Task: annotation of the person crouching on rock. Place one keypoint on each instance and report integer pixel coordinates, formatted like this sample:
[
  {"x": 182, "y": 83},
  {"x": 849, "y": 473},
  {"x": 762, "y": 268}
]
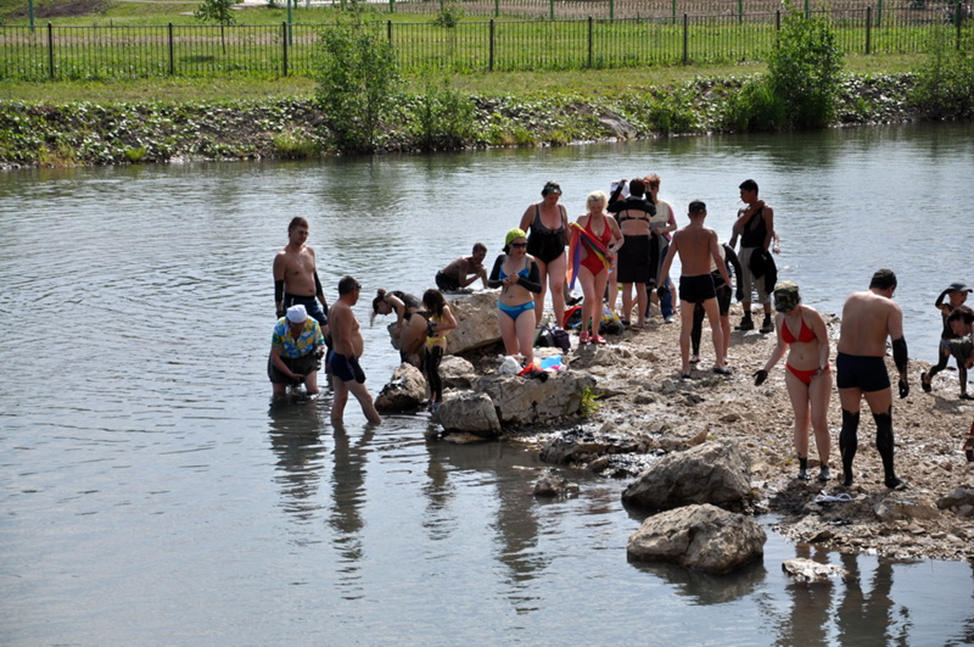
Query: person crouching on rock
[
  {"x": 409, "y": 331},
  {"x": 297, "y": 344},
  {"x": 516, "y": 273},
  {"x": 440, "y": 322},
  {"x": 808, "y": 376}
]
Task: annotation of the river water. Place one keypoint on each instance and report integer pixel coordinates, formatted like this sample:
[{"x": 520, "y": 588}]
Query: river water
[{"x": 151, "y": 493}]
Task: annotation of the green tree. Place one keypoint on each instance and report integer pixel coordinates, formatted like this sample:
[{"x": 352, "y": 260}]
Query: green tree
[
  {"x": 219, "y": 12},
  {"x": 944, "y": 86},
  {"x": 358, "y": 80}
]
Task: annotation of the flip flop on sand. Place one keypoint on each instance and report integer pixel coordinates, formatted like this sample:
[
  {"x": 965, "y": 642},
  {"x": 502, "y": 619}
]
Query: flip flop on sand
[{"x": 841, "y": 497}]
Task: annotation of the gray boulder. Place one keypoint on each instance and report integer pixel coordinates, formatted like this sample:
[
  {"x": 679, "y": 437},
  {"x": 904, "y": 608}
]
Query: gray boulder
[
  {"x": 469, "y": 412},
  {"x": 552, "y": 485},
  {"x": 805, "y": 570},
  {"x": 703, "y": 537},
  {"x": 456, "y": 372},
  {"x": 476, "y": 322},
  {"x": 522, "y": 401},
  {"x": 404, "y": 392},
  {"x": 715, "y": 472}
]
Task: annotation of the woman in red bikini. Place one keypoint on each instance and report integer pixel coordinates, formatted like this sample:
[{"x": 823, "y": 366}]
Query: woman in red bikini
[
  {"x": 808, "y": 375},
  {"x": 593, "y": 272}
]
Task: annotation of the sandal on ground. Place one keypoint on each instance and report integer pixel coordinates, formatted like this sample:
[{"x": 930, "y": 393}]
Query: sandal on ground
[
  {"x": 964, "y": 396},
  {"x": 695, "y": 359},
  {"x": 583, "y": 338},
  {"x": 925, "y": 382},
  {"x": 723, "y": 371},
  {"x": 685, "y": 376},
  {"x": 598, "y": 339}
]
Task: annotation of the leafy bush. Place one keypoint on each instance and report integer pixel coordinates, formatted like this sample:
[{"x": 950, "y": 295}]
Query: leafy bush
[
  {"x": 804, "y": 71},
  {"x": 754, "y": 108},
  {"x": 449, "y": 16},
  {"x": 944, "y": 85},
  {"x": 358, "y": 79},
  {"x": 445, "y": 117}
]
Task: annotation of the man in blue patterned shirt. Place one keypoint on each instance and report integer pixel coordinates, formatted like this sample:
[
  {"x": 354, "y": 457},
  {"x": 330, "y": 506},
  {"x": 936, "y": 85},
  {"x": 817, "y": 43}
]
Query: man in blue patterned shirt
[{"x": 296, "y": 346}]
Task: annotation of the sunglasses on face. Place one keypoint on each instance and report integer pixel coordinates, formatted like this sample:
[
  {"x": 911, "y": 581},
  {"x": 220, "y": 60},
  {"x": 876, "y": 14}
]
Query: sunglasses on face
[{"x": 519, "y": 244}]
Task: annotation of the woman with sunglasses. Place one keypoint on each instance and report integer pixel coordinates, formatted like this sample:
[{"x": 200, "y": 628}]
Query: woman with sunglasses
[{"x": 516, "y": 273}]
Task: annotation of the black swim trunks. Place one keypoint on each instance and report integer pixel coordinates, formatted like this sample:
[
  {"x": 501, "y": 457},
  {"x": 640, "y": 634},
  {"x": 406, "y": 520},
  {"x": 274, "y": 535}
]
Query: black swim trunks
[
  {"x": 633, "y": 260},
  {"x": 340, "y": 367},
  {"x": 697, "y": 289},
  {"x": 447, "y": 283},
  {"x": 299, "y": 365},
  {"x": 860, "y": 371}
]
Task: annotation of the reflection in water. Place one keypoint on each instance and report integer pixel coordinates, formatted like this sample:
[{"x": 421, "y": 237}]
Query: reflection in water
[
  {"x": 348, "y": 495},
  {"x": 295, "y": 439},
  {"x": 810, "y": 603},
  {"x": 704, "y": 588},
  {"x": 865, "y": 617},
  {"x": 517, "y": 527}
]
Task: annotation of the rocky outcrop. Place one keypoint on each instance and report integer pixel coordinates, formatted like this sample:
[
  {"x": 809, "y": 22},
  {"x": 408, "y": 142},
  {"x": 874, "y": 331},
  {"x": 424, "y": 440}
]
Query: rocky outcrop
[
  {"x": 521, "y": 401},
  {"x": 703, "y": 537},
  {"x": 471, "y": 413},
  {"x": 805, "y": 570},
  {"x": 457, "y": 373},
  {"x": 476, "y": 322},
  {"x": 553, "y": 486},
  {"x": 715, "y": 472},
  {"x": 406, "y": 390}
]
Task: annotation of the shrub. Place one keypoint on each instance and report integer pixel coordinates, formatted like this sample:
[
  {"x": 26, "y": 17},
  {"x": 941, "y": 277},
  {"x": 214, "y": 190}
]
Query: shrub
[
  {"x": 445, "y": 117},
  {"x": 754, "y": 108},
  {"x": 449, "y": 16},
  {"x": 944, "y": 85},
  {"x": 358, "y": 79}
]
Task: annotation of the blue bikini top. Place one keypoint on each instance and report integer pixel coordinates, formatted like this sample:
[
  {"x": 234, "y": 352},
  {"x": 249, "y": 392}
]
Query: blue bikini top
[{"x": 525, "y": 273}]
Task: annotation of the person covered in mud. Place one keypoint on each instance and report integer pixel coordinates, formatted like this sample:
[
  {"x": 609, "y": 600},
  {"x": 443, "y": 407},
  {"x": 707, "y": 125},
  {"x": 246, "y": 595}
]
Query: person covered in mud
[
  {"x": 409, "y": 330},
  {"x": 808, "y": 375},
  {"x": 956, "y": 296},
  {"x": 297, "y": 345},
  {"x": 463, "y": 270},
  {"x": 868, "y": 319}
]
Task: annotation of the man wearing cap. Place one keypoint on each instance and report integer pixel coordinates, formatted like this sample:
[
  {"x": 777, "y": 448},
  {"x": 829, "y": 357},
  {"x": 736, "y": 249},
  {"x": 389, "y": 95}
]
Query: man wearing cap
[
  {"x": 956, "y": 295},
  {"x": 296, "y": 277},
  {"x": 699, "y": 251},
  {"x": 347, "y": 346},
  {"x": 868, "y": 318},
  {"x": 296, "y": 345},
  {"x": 755, "y": 223}
]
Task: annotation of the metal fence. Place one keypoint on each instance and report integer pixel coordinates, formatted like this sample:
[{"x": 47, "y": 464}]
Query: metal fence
[{"x": 66, "y": 53}]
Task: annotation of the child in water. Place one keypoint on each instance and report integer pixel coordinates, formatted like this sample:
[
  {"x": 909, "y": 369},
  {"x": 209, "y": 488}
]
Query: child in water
[{"x": 956, "y": 295}]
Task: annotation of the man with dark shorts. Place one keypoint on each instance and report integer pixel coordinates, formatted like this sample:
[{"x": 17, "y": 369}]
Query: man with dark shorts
[
  {"x": 463, "y": 271},
  {"x": 868, "y": 318},
  {"x": 724, "y": 295},
  {"x": 755, "y": 223},
  {"x": 296, "y": 277},
  {"x": 347, "y": 375},
  {"x": 699, "y": 251},
  {"x": 296, "y": 346}
]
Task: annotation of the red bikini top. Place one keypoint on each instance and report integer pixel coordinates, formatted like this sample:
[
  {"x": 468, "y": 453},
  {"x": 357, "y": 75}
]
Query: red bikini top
[{"x": 805, "y": 334}]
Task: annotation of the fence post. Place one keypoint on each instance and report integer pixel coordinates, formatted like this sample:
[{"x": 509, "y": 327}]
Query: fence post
[
  {"x": 389, "y": 31},
  {"x": 490, "y": 59},
  {"x": 590, "y": 42},
  {"x": 612, "y": 9},
  {"x": 957, "y": 21},
  {"x": 284, "y": 44},
  {"x": 777, "y": 20},
  {"x": 807, "y": 10},
  {"x": 879, "y": 13},
  {"x": 686, "y": 40},
  {"x": 172, "y": 52},
  {"x": 50, "y": 50},
  {"x": 740, "y": 12},
  {"x": 869, "y": 27},
  {"x": 392, "y": 6},
  {"x": 673, "y": 10},
  {"x": 497, "y": 8},
  {"x": 551, "y": 9}
]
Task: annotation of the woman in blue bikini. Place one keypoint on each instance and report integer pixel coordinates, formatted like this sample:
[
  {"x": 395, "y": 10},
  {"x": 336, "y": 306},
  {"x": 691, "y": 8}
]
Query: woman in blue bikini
[{"x": 516, "y": 273}]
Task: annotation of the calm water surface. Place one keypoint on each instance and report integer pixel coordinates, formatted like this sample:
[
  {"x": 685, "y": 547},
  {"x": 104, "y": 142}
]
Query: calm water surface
[{"x": 152, "y": 495}]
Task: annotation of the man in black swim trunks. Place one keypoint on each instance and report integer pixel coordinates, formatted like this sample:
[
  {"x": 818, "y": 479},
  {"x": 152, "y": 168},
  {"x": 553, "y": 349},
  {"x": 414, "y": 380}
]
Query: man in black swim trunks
[
  {"x": 868, "y": 318},
  {"x": 463, "y": 271},
  {"x": 699, "y": 251}
]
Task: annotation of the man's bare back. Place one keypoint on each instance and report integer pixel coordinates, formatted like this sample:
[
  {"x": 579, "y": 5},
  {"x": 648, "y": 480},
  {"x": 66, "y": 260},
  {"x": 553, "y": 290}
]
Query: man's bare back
[{"x": 867, "y": 320}]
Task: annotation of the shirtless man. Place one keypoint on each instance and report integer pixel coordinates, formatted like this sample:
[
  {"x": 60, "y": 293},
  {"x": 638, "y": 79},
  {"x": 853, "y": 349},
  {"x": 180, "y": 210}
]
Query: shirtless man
[
  {"x": 699, "y": 251},
  {"x": 347, "y": 346},
  {"x": 868, "y": 318},
  {"x": 463, "y": 271},
  {"x": 755, "y": 223},
  {"x": 296, "y": 278}
]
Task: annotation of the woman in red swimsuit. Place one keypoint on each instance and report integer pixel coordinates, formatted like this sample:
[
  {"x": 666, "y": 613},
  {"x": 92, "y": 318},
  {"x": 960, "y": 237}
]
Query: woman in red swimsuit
[
  {"x": 808, "y": 376},
  {"x": 593, "y": 273}
]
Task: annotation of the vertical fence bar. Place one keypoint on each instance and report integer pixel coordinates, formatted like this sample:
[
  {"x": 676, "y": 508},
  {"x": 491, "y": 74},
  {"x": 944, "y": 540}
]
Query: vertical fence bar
[
  {"x": 777, "y": 20},
  {"x": 686, "y": 40},
  {"x": 392, "y": 6},
  {"x": 808, "y": 11},
  {"x": 740, "y": 12},
  {"x": 50, "y": 50},
  {"x": 490, "y": 55},
  {"x": 551, "y": 9},
  {"x": 869, "y": 27},
  {"x": 958, "y": 17},
  {"x": 612, "y": 9},
  {"x": 879, "y": 13},
  {"x": 497, "y": 8},
  {"x": 590, "y": 42},
  {"x": 172, "y": 53},
  {"x": 284, "y": 45}
]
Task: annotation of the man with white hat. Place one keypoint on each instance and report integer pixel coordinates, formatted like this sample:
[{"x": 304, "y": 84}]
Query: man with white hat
[{"x": 296, "y": 345}]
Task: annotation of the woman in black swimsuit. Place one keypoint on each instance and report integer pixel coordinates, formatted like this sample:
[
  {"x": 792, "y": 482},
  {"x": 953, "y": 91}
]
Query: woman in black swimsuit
[{"x": 546, "y": 223}]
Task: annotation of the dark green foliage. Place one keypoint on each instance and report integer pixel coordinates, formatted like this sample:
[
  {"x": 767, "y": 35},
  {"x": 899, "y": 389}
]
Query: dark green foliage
[
  {"x": 444, "y": 118},
  {"x": 944, "y": 86},
  {"x": 219, "y": 12},
  {"x": 449, "y": 16},
  {"x": 754, "y": 108},
  {"x": 358, "y": 78}
]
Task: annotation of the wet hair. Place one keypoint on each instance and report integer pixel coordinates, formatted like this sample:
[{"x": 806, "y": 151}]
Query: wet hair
[
  {"x": 347, "y": 285},
  {"x": 550, "y": 187},
  {"x": 408, "y": 300},
  {"x": 380, "y": 298},
  {"x": 434, "y": 302},
  {"x": 883, "y": 280},
  {"x": 697, "y": 206},
  {"x": 597, "y": 196},
  {"x": 749, "y": 185},
  {"x": 637, "y": 187},
  {"x": 961, "y": 313},
  {"x": 652, "y": 181},
  {"x": 297, "y": 221},
  {"x": 479, "y": 247}
]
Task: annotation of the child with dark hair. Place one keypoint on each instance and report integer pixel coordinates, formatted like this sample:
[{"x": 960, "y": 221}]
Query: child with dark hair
[
  {"x": 440, "y": 321},
  {"x": 956, "y": 295}
]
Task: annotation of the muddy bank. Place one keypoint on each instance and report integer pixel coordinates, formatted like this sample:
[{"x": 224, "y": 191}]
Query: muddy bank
[
  {"x": 645, "y": 401},
  {"x": 296, "y": 128}
]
